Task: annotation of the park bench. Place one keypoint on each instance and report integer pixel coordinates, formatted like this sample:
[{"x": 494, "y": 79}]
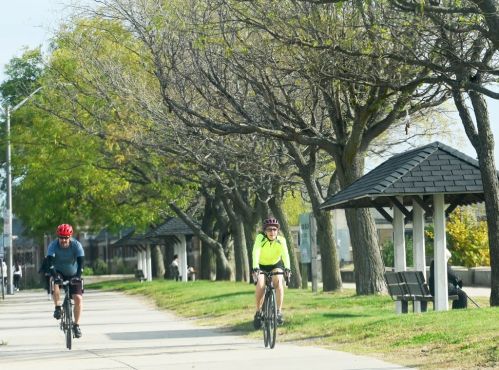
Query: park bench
[
  {"x": 406, "y": 286},
  {"x": 397, "y": 288}
]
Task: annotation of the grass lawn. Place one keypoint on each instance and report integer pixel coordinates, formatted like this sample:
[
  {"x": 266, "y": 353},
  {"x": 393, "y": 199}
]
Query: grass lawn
[{"x": 458, "y": 339}]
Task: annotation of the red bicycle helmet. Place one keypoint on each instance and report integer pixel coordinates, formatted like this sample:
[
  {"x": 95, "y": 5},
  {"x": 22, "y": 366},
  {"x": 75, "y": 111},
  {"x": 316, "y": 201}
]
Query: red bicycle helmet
[
  {"x": 270, "y": 222},
  {"x": 64, "y": 230}
]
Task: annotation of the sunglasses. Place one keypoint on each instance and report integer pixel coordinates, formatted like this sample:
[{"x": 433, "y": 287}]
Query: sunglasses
[
  {"x": 64, "y": 237},
  {"x": 271, "y": 229}
]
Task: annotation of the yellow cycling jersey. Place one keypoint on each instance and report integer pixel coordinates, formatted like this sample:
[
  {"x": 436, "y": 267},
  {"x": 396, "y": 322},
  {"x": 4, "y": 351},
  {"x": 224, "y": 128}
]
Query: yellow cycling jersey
[{"x": 267, "y": 252}]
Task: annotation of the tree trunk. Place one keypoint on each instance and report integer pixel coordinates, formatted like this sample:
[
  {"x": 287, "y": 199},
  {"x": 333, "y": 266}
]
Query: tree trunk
[
  {"x": 483, "y": 142},
  {"x": 489, "y": 180},
  {"x": 331, "y": 276},
  {"x": 276, "y": 207},
  {"x": 224, "y": 270},
  {"x": 208, "y": 263},
  {"x": 158, "y": 261},
  {"x": 242, "y": 257},
  {"x": 240, "y": 251},
  {"x": 251, "y": 225},
  {"x": 368, "y": 265},
  {"x": 225, "y": 259},
  {"x": 208, "y": 259}
]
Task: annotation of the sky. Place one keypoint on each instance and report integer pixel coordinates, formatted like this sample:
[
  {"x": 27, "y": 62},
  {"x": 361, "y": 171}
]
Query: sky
[
  {"x": 27, "y": 23},
  {"x": 30, "y": 23}
]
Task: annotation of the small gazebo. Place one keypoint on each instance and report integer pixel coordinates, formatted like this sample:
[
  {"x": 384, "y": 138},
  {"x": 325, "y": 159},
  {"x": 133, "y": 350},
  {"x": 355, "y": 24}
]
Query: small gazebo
[
  {"x": 142, "y": 248},
  {"x": 175, "y": 231},
  {"x": 429, "y": 181}
]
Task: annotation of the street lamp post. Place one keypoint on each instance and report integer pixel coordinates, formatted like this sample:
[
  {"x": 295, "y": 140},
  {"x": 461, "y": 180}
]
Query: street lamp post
[{"x": 8, "y": 233}]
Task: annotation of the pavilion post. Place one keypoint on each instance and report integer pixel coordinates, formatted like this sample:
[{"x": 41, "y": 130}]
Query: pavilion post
[
  {"x": 148, "y": 262},
  {"x": 418, "y": 244},
  {"x": 399, "y": 250},
  {"x": 440, "y": 264}
]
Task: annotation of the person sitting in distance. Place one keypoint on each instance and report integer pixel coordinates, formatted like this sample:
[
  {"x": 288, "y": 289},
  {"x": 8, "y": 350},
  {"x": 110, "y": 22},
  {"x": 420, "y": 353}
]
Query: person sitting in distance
[{"x": 454, "y": 283}]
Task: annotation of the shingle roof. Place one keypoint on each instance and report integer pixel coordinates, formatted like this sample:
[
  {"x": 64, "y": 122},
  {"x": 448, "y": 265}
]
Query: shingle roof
[
  {"x": 165, "y": 233},
  {"x": 431, "y": 169},
  {"x": 172, "y": 226},
  {"x": 129, "y": 239},
  {"x": 105, "y": 234}
]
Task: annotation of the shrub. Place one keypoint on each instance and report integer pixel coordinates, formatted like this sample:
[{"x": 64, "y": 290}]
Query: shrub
[
  {"x": 388, "y": 253},
  {"x": 121, "y": 267},
  {"x": 467, "y": 239},
  {"x": 100, "y": 267}
]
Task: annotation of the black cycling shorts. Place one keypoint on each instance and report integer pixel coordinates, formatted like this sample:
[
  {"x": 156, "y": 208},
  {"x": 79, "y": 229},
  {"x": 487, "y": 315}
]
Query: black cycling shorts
[
  {"x": 270, "y": 268},
  {"x": 75, "y": 287}
]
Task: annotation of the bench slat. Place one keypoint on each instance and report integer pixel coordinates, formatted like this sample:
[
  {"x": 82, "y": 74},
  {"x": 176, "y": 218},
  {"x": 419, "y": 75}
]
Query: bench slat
[{"x": 396, "y": 286}]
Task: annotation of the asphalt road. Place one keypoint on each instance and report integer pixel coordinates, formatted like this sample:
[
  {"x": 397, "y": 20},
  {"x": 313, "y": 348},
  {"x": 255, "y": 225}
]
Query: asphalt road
[{"x": 126, "y": 332}]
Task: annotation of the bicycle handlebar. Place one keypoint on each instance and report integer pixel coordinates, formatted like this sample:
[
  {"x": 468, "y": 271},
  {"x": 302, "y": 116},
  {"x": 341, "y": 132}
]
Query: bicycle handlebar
[
  {"x": 272, "y": 273},
  {"x": 67, "y": 281}
]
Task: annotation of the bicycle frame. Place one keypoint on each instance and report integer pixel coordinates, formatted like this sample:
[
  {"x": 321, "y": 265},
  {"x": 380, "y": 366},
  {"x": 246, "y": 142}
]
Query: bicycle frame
[
  {"x": 269, "y": 310},
  {"x": 66, "y": 324}
]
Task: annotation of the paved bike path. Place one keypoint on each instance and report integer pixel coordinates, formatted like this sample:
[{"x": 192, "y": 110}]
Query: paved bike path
[{"x": 125, "y": 332}]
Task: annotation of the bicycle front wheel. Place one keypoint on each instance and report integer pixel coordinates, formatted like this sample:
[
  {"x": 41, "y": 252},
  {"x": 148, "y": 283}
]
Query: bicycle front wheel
[
  {"x": 68, "y": 322},
  {"x": 264, "y": 320},
  {"x": 270, "y": 322},
  {"x": 271, "y": 319}
]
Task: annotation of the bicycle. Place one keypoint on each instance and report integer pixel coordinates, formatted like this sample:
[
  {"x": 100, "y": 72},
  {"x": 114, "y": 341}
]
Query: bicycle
[
  {"x": 66, "y": 323},
  {"x": 269, "y": 310}
]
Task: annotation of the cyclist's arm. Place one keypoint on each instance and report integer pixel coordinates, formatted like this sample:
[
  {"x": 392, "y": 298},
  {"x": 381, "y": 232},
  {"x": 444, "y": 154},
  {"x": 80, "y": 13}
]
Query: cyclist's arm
[
  {"x": 285, "y": 254},
  {"x": 50, "y": 264},
  {"x": 257, "y": 248},
  {"x": 79, "y": 263}
]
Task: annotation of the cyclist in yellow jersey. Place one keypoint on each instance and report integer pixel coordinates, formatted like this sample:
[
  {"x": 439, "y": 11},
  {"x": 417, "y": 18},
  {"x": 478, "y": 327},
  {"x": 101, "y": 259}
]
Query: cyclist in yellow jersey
[{"x": 270, "y": 253}]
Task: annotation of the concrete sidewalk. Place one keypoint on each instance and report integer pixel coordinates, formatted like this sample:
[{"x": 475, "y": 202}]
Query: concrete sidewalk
[{"x": 126, "y": 332}]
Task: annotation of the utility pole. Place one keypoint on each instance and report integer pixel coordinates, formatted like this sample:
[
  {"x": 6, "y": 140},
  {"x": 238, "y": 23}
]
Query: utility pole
[{"x": 8, "y": 214}]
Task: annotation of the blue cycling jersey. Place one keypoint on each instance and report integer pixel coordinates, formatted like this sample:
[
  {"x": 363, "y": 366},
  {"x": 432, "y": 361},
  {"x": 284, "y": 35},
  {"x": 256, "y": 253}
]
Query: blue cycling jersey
[{"x": 65, "y": 258}]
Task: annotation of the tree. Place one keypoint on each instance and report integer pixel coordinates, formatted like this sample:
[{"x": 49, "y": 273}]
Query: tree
[
  {"x": 303, "y": 77},
  {"x": 468, "y": 48},
  {"x": 305, "y": 70}
]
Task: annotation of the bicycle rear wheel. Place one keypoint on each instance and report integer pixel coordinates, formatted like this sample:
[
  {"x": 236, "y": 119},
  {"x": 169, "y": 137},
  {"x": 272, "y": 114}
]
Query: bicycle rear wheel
[
  {"x": 272, "y": 319},
  {"x": 68, "y": 324}
]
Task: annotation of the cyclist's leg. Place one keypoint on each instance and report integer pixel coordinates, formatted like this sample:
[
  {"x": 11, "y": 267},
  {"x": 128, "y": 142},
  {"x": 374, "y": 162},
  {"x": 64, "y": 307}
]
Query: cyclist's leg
[
  {"x": 260, "y": 285},
  {"x": 57, "y": 301},
  {"x": 259, "y": 291},
  {"x": 279, "y": 294},
  {"x": 76, "y": 290},
  {"x": 78, "y": 303},
  {"x": 56, "y": 293},
  {"x": 48, "y": 283},
  {"x": 77, "y": 296},
  {"x": 279, "y": 289},
  {"x": 259, "y": 297}
]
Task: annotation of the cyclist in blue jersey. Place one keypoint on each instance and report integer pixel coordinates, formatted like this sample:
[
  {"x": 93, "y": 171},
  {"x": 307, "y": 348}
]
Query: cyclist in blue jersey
[
  {"x": 270, "y": 253},
  {"x": 65, "y": 256}
]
